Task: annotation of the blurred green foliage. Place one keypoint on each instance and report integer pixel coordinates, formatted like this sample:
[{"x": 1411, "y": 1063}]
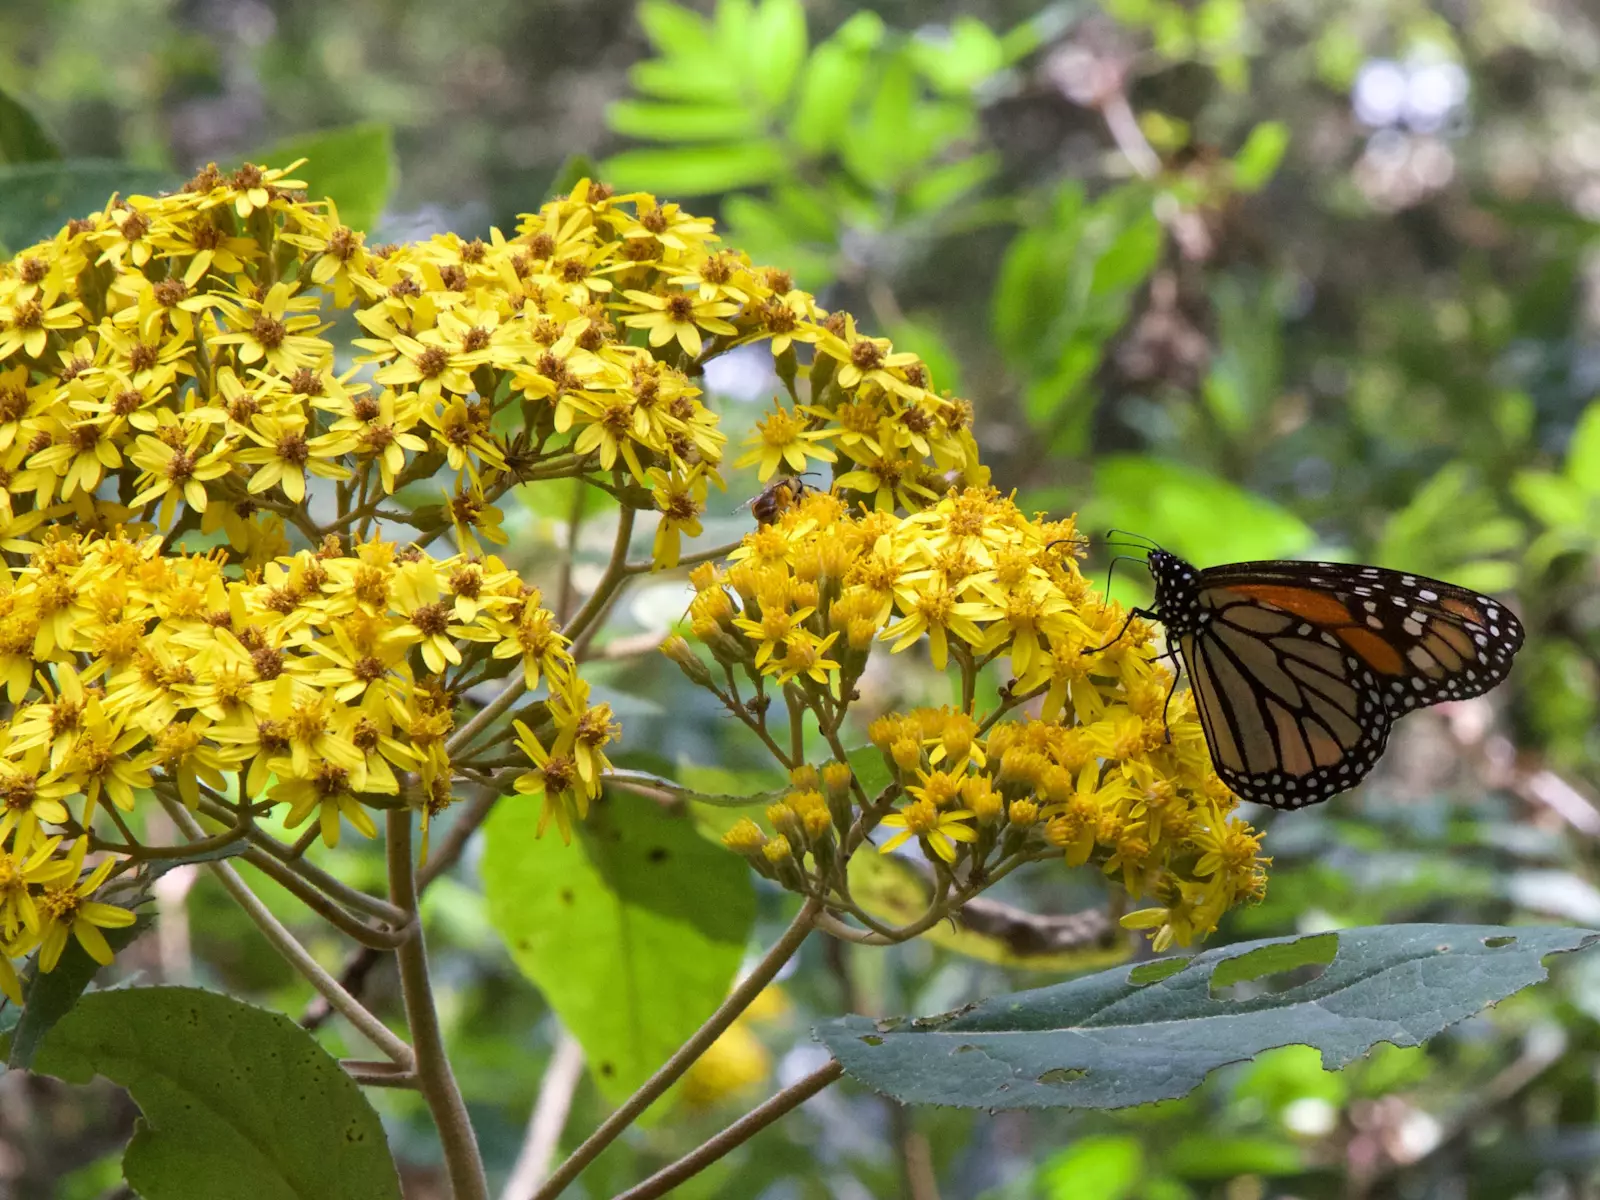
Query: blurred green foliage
[{"x": 1287, "y": 278}]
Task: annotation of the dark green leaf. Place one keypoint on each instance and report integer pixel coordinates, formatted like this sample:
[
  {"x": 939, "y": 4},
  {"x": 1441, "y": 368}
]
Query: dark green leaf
[
  {"x": 1105, "y": 1041},
  {"x": 698, "y": 170},
  {"x": 681, "y": 122},
  {"x": 22, "y": 138},
  {"x": 239, "y": 1103},
  {"x": 37, "y": 198},
  {"x": 50, "y": 996},
  {"x": 633, "y": 933},
  {"x": 353, "y": 166}
]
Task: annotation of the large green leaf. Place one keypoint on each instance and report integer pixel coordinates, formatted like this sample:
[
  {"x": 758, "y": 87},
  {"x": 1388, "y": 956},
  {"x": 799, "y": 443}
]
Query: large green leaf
[
  {"x": 37, "y": 198},
  {"x": 353, "y": 166},
  {"x": 22, "y": 138},
  {"x": 633, "y": 933},
  {"x": 239, "y": 1103},
  {"x": 1134, "y": 1035}
]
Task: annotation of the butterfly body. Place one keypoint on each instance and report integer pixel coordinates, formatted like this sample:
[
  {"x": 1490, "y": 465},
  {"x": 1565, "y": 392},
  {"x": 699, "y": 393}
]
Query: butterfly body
[{"x": 1299, "y": 669}]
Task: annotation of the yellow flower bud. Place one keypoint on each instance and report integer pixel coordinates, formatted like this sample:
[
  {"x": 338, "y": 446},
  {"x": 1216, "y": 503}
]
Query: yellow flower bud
[
  {"x": 745, "y": 837},
  {"x": 907, "y": 753},
  {"x": 688, "y": 662}
]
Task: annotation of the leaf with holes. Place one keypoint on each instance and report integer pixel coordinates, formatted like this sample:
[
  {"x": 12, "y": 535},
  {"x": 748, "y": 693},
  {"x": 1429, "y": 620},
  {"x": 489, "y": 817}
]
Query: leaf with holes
[
  {"x": 1153, "y": 1032},
  {"x": 239, "y": 1103},
  {"x": 633, "y": 933}
]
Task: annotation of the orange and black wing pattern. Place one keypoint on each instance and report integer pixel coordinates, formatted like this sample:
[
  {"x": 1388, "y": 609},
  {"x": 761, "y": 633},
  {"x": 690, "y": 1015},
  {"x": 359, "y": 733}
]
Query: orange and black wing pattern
[{"x": 1299, "y": 669}]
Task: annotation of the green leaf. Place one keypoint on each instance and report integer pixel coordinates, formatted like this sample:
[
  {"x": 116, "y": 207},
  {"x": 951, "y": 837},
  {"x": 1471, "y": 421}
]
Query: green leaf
[
  {"x": 633, "y": 933},
  {"x": 1258, "y": 159},
  {"x": 1558, "y": 502},
  {"x": 50, "y": 995},
  {"x": 1449, "y": 529},
  {"x": 1583, "y": 452},
  {"x": 239, "y": 1103},
  {"x": 676, "y": 31},
  {"x": 696, "y": 171},
  {"x": 353, "y": 166},
  {"x": 967, "y": 55},
  {"x": 1104, "y": 1041},
  {"x": 702, "y": 80},
  {"x": 1190, "y": 512},
  {"x": 37, "y": 198},
  {"x": 22, "y": 138},
  {"x": 879, "y": 147},
  {"x": 1207, "y": 1156},
  {"x": 775, "y": 49},
  {"x": 945, "y": 184},
  {"x": 1094, "y": 1168},
  {"x": 832, "y": 79},
  {"x": 681, "y": 122}
]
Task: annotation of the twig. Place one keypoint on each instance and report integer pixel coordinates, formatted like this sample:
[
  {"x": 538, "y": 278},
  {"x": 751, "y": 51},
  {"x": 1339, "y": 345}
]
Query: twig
[
  {"x": 549, "y": 1119},
  {"x": 434, "y": 1077},
  {"x": 374, "y": 1030},
  {"x": 378, "y": 1074},
  {"x": 735, "y": 1135},
  {"x": 739, "y": 1000}
]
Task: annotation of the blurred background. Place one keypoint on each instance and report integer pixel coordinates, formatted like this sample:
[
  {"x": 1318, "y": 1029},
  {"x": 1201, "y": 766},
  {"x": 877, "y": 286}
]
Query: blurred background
[{"x": 1279, "y": 278}]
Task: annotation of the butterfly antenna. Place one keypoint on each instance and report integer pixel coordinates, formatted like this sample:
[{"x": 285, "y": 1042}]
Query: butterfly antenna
[{"x": 1148, "y": 543}]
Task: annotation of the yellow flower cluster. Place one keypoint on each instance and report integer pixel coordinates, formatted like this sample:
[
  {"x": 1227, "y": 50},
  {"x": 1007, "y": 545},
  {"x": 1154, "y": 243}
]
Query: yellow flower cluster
[
  {"x": 317, "y": 685},
  {"x": 166, "y": 371},
  {"x": 1104, "y": 770}
]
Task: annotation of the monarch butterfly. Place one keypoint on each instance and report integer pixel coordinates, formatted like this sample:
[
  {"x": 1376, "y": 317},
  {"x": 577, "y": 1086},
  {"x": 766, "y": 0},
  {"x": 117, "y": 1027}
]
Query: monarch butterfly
[{"x": 1298, "y": 669}]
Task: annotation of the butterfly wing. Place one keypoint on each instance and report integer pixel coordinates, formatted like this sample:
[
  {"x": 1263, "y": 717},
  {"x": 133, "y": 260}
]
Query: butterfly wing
[
  {"x": 1299, "y": 669},
  {"x": 1284, "y": 724}
]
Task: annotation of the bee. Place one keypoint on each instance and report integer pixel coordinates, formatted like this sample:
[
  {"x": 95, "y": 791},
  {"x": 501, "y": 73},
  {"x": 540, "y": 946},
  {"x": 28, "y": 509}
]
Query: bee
[{"x": 777, "y": 498}]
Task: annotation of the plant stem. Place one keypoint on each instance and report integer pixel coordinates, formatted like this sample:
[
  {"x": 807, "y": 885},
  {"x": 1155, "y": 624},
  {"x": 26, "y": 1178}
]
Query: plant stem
[
  {"x": 735, "y": 1135},
  {"x": 434, "y": 1077},
  {"x": 285, "y": 943},
  {"x": 616, "y": 574},
  {"x": 684, "y": 1057}
]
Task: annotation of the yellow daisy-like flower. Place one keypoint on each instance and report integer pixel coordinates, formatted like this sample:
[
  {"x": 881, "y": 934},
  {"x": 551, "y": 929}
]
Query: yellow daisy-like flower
[
  {"x": 781, "y": 439},
  {"x": 939, "y": 830},
  {"x": 66, "y": 910}
]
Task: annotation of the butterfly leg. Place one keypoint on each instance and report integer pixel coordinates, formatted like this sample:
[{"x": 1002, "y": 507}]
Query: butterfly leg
[{"x": 1177, "y": 673}]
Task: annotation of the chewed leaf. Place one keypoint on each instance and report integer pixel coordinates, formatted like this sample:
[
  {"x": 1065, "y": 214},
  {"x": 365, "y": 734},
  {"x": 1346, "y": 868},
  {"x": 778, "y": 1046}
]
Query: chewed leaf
[{"x": 1133, "y": 1035}]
